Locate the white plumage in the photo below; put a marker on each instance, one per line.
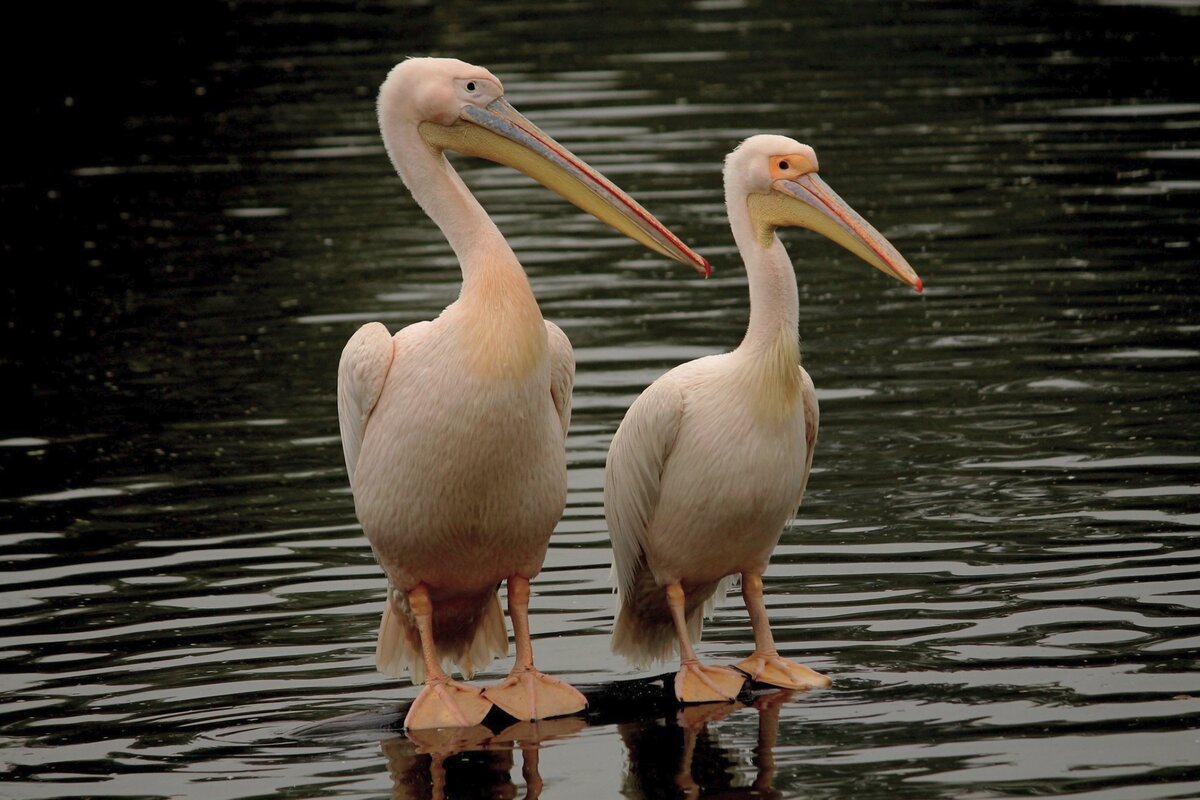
(453, 429)
(712, 460)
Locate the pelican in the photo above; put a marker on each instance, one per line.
(453, 429)
(711, 461)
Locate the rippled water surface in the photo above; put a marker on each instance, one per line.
(996, 560)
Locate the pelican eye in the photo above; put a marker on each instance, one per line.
(470, 86)
(783, 165)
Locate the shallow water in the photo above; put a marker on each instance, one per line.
(996, 558)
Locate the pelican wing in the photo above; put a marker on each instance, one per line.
(364, 365)
(562, 372)
(633, 474)
(812, 420)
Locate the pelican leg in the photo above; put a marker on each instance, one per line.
(442, 703)
(765, 665)
(696, 682)
(526, 693)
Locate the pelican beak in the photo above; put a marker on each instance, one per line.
(808, 202)
(499, 133)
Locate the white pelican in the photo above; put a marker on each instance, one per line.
(453, 429)
(712, 459)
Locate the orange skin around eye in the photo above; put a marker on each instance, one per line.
(792, 166)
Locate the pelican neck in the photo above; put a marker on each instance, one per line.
(442, 195)
(774, 299)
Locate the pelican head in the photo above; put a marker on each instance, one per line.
(460, 107)
(778, 178)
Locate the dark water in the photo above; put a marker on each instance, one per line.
(996, 560)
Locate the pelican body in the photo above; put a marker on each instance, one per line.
(453, 429)
(712, 460)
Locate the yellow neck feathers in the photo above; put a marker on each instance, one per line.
(503, 328)
(775, 377)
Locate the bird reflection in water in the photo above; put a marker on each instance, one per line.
(677, 754)
(476, 762)
(684, 757)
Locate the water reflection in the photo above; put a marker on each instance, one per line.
(678, 754)
(438, 764)
(685, 756)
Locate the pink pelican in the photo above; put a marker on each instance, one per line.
(453, 429)
(711, 461)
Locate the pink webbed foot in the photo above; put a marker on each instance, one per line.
(701, 683)
(775, 670)
(447, 704)
(527, 694)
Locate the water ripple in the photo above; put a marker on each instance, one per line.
(995, 556)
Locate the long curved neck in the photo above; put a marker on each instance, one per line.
(482, 251)
(497, 321)
(774, 299)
